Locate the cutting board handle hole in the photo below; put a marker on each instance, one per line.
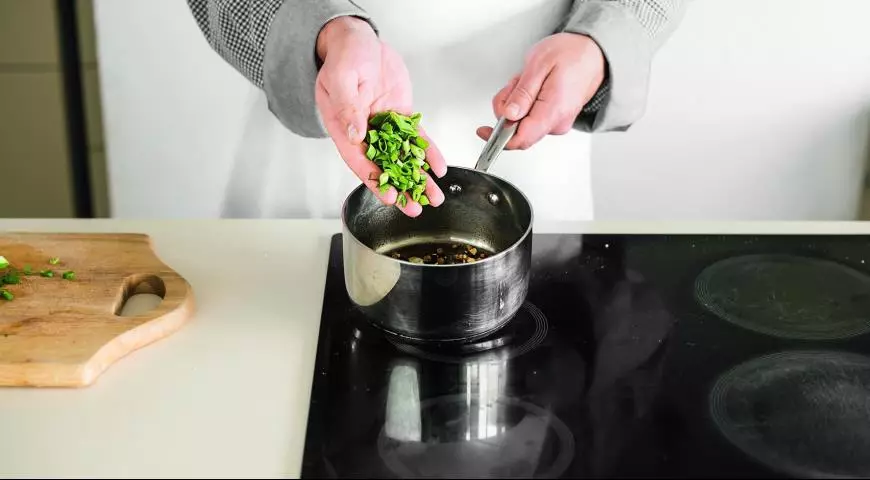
(140, 294)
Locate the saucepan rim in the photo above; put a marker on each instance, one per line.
(502, 253)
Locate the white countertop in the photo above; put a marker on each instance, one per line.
(226, 396)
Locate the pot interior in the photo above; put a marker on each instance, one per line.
(480, 210)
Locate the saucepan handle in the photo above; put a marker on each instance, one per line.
(502, 133)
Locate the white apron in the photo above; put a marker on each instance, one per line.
(460, 53)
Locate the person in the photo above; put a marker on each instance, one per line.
(319, 69)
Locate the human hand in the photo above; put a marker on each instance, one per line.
(361, 76)
(561, 74)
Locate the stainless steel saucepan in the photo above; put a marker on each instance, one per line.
(446, 303)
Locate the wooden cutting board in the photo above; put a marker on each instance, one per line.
(59, 332)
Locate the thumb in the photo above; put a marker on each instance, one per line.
(348, 105)
(523, 95)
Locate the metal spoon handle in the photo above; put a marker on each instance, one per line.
(501, 134)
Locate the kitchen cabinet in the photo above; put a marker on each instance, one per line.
(33, 147)
(47, 173)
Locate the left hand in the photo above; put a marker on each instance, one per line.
(561, 74)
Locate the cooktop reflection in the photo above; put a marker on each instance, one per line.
(634, 355)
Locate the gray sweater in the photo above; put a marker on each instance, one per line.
(272, 43)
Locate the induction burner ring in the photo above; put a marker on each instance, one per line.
(516, 450)
(805, 414)
(787, 296)
(529, 325)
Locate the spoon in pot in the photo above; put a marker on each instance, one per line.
(500, 136)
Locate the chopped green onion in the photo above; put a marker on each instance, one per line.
(10, 278)
(69, 275)
(3, 262)
(395, 145)
(46, 273)
(28, 270)
(7, 295)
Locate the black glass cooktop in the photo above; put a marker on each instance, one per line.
(635, 355)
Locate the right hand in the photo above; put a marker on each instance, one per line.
(361, 76)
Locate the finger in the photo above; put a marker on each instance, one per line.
(543, 118)
(433, 192)
(500, 99)
(498, 104)
(537, 124)
(343, 90)
(433, 155)
(524, 94)
(411, 208)
(352, 154)
(484, 132)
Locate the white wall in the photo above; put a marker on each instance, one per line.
(758, 110)
(170, 105)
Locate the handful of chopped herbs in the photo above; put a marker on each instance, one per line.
(395, 146)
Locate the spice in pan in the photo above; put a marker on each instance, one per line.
(440, 253)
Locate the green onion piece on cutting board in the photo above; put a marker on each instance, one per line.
(11, 278)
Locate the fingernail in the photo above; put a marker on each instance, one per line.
(352, 132)
(436, 198)
(512, 111)
(414, 210)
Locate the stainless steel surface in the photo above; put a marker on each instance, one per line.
(440, 302)
(501, 134)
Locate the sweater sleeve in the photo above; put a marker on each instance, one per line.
(629, 33)
(272, 43)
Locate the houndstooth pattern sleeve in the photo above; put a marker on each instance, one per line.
(656, 17)
(273, 43)
(629, 32)
(237, 30)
